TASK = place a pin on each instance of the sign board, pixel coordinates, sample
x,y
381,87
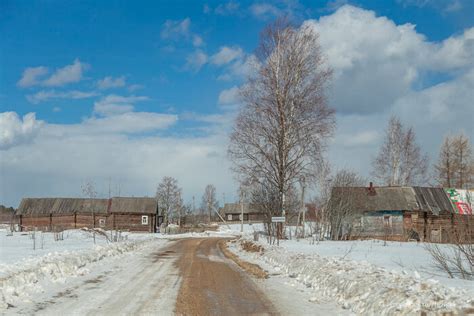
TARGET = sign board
x,y
280,219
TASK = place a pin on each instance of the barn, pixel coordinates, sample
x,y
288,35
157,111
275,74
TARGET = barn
x,y
56,214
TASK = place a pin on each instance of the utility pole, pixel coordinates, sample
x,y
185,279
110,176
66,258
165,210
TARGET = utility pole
x,y
241,209
303,186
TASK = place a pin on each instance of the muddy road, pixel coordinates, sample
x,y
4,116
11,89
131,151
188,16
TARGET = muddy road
x,y
213,285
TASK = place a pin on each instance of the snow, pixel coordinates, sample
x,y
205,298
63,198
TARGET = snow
x,y
365,277
22,269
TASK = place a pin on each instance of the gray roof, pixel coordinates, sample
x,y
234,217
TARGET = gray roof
x,y
139,205
426,199
46,206
434,200
384,199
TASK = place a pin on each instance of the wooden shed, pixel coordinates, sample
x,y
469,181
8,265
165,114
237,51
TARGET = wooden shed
x,y
133,213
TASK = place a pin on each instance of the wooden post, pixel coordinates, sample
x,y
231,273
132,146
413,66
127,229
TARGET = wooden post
x,y
50,221
21,223
75,220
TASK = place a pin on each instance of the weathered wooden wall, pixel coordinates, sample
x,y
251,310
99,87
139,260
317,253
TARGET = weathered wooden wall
x,y
131,222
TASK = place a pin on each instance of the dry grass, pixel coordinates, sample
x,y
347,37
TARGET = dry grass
x,y
251,268
250,246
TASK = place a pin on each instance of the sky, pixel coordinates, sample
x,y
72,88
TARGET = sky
x,y
123,93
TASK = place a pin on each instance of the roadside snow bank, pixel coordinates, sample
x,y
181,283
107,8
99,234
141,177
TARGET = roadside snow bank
x,y
18,280
363,287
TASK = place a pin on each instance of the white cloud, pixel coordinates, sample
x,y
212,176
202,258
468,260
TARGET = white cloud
x,y
196,60
111,82
115,104
229,96
227,8
15,131
226,55
264,10
31,76
67,74
134,87
370,53
175,29
128,123
44,95
101,148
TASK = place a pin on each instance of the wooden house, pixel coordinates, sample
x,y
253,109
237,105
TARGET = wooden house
x,y
401,213
232,212
56,214
134,214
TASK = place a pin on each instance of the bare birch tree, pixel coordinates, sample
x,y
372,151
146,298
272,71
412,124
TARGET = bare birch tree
x,y
400,160
168,195
284,123
209,201
339,203
455,166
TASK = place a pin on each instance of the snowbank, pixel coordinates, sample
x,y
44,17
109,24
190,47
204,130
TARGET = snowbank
x,y
360,286
19,280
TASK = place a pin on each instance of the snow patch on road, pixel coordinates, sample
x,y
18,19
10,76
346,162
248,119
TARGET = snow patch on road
x,y
360,286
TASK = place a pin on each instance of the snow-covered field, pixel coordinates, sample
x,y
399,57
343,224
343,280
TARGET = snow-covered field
x,y
365,277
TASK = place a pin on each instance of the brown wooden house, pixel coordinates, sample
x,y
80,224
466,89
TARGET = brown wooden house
x,y
56,214
232,212
134,214
402,213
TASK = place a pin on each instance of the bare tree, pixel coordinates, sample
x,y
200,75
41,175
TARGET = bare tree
x,y
209,200
400,160
455,166
339,207
444,168
283,126
463,161
168,195
264,199
88,189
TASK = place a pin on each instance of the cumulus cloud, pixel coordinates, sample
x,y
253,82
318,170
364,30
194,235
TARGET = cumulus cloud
x,y
177,30
35,76
264,10
370,53
15,131
44,95
115,104
227,8
226,55
67,74
31,76
196,60
229,96
111,82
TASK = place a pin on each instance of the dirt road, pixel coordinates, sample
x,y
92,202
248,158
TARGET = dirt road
x,y
184,277
212,285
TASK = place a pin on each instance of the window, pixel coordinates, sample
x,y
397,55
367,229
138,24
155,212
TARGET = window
x,y
102,222
144,220
229,217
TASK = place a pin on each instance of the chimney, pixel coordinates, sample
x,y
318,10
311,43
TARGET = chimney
x,y
371,189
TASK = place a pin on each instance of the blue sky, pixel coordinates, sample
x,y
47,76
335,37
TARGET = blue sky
x,y
152,85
